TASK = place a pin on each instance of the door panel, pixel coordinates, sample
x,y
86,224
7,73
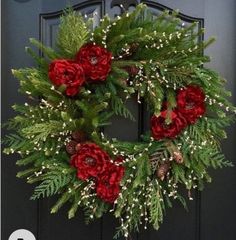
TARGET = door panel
x,y
17,210
218,200
202,222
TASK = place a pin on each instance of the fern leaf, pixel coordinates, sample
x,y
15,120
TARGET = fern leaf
x,y
120,109
51,185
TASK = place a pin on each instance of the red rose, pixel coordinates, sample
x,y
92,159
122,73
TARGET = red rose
x,y
113,173
90,161
68,73
108,185
160,129
108,193
95,60
190,102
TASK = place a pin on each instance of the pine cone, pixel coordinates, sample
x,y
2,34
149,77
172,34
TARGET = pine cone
x,y
124,81
134,47
132,70
178,157
79,136
77,147
71,147
163,170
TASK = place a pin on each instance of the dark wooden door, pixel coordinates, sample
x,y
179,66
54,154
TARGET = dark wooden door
x,y
211,214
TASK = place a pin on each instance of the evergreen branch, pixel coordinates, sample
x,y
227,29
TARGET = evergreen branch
x,y
119,108
65,197
17,143
156,209
73,33
52,183
41,131
75,205
47,51
39,60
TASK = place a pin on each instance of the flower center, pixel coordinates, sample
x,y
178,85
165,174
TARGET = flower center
x,y
190,105
93,60
106,184
166,125
90,161
66,73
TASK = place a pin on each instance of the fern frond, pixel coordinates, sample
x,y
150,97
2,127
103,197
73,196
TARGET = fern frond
x,y
52,183
120,109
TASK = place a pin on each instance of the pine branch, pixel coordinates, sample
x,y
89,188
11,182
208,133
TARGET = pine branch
x,y
156,209
73,33
65,197
143,170
47,51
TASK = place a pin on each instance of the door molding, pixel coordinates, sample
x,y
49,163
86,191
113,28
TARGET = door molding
x,y
22,1
182,16
124,4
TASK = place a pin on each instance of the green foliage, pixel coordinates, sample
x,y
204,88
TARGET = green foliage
x,y
47,51
143,171
35,82
51,184
73,33
152,57
156,207
61,201
27,160
16,143
42,130
119,108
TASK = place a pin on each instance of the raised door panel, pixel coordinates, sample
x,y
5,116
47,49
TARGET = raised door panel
x,y
17,211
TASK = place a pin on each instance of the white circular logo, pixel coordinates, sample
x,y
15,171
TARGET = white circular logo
x,y
22,234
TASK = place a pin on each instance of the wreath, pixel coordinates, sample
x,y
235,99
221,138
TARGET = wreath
x,y
77,87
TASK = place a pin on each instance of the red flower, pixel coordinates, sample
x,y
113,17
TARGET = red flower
x,y
108,193
190,102
95,60
68,73
108,185
90,161
160,129
113,173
